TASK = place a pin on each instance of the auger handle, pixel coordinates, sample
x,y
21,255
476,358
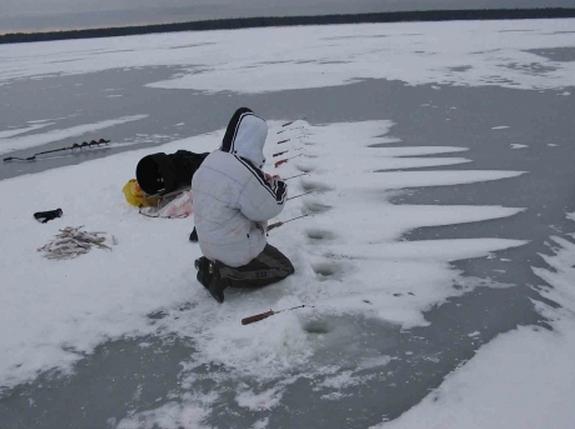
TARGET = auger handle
x,y
274,225
257,317
17,158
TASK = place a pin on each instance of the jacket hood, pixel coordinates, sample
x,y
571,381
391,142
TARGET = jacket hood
x,y
245,136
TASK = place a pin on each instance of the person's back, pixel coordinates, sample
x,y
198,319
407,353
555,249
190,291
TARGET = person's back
x,y
233,199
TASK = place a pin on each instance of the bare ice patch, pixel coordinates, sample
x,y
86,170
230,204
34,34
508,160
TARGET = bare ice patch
x,y
528,370
13,132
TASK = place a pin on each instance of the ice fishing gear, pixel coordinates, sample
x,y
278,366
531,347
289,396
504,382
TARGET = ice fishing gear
x,y
157,215
295,175
161,173
280,223
285,125
283,152
299,195
83,145
136,197
48,215
283,161
269,313
175,205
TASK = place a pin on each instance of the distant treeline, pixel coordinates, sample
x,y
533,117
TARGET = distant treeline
x,y
235,23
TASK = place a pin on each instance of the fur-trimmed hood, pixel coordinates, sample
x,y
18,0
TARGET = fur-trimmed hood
x,y
245,136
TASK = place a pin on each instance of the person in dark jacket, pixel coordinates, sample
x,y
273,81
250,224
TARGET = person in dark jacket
x,y
233,200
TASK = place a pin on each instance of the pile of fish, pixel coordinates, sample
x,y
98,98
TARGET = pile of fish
x,y
72,242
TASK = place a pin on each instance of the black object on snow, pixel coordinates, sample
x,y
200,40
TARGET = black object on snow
x,y
161,173
48,215
194,235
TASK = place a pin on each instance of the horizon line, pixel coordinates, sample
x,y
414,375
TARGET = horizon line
x,y
282,21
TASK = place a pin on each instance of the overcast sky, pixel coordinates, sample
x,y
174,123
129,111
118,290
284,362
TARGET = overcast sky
x,y
42,15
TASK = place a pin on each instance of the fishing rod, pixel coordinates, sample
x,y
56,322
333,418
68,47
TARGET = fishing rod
x,y
287,124
282,152
269,313
283,161
295,175
299,195
280,223
82,145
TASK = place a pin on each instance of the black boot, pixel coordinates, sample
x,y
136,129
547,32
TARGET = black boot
x,y
217,286
209,277
205,272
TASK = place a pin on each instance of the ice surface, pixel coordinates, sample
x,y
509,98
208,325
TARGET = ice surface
x,y
523,378
350,253
10,141
10,133
60,310
484,53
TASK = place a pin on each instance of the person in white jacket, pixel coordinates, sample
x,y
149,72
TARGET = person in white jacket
x,y
232,201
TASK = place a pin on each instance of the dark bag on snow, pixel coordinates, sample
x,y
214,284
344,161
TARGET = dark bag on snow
x,y
161,173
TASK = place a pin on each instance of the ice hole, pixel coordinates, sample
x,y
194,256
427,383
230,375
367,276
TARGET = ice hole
x,y
320,234
317,327
326,269
312,207
305,168
314,186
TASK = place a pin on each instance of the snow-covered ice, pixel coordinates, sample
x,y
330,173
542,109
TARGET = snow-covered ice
x,y
523,378
350,253
502,53
78,303
20,139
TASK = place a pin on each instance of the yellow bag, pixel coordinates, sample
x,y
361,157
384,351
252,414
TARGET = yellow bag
x,y
136,197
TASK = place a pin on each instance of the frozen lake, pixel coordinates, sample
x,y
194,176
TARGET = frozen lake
x,y
438,258
30,16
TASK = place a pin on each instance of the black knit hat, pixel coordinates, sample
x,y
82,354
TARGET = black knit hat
x,y
153,174
161,173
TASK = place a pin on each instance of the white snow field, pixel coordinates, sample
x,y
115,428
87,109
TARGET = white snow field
x,y
349,253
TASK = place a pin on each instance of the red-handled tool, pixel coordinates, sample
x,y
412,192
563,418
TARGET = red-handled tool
x,y
266,314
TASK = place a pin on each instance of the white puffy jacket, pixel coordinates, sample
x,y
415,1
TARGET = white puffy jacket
x,y
231,198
